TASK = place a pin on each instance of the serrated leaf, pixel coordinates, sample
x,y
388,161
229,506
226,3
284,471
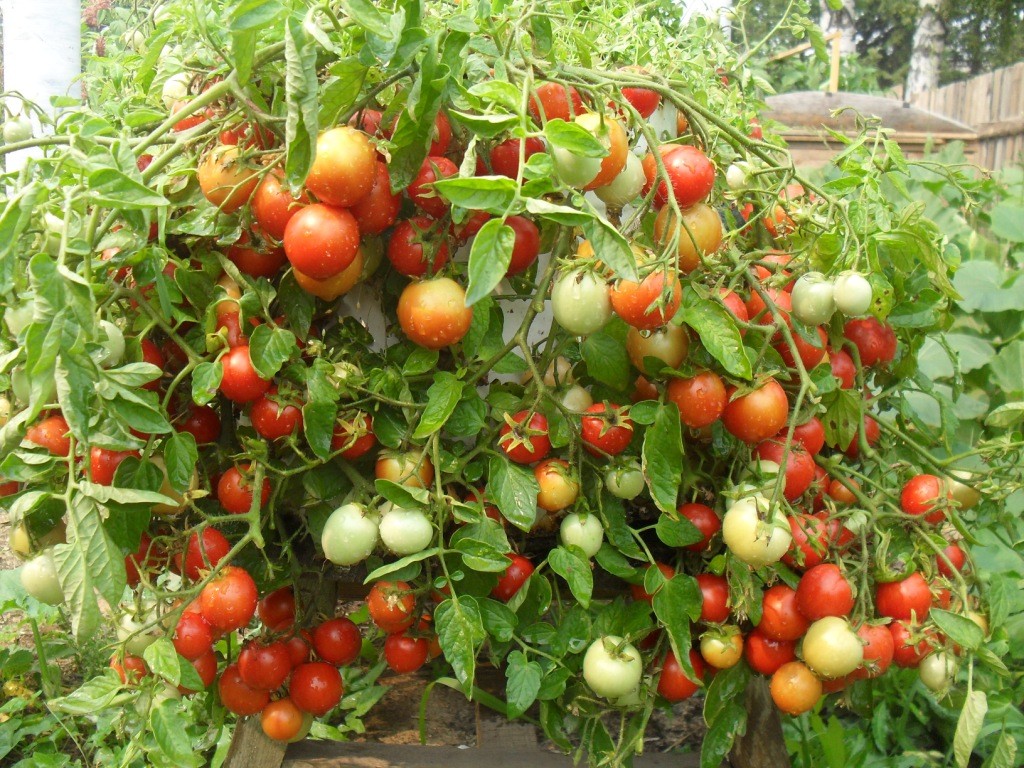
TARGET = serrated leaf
x,y
301,97
523,683
93,695
489,259
968,726
163,661
181,457
480,193
270,348
663,458
716,327
677,604
169,727
959,629
460,631
611,247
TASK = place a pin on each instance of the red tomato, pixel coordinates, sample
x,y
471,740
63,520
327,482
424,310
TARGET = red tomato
x,y
392,605
765,655
762,313
421,188
354,436
277,609
757,415
256,263
872,432
780,617
235,492
343,171
705,520
650,303
151,354
202,553
405,654
273,205
281,720
249,135
52,433
237,696
103,463
606,430
955,559
810,542
131,669
673,683
298,650
512,580
824,591
338,641
273,419
907,653
643,100
316,687
206,668
226,178
229,600
414,250
810,434
555,101
368,120
810,354
922,495
193,637
379,209
878,650
143,560
701,399
526,441
843,368
505,156
875,341
240,382
736,306
691,175
905,599
202,422
715,598
264,666
321,241
527,244
795,463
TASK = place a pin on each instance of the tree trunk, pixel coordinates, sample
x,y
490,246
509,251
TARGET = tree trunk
x,y
842,21
926,54
762,745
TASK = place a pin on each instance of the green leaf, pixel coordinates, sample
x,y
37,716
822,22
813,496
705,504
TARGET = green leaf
x,y
676,531
489,259
252,14
483,546
1006,416
93,696
663,458
301,92
957,628
297,305
108,186
404,496
88,564
420,361
611,247
968,726
163,661
1005,753
169,726
206,378
514,490
574,567
605,354
1008,222
398,565
442,397
499,620
318,420
487,126
842,417
270,348
366,15
718,332
460,630
181,457
523,683
574,138
725,714
480,193
677,604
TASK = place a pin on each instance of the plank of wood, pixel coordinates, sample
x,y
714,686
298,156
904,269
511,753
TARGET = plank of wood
x,y
250,747
762,744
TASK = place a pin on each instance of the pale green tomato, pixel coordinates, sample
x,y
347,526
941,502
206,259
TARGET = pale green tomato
x,y
581,302
577,399
737,176
937,670
963,494
405,531
150,698
625,482
112,341
755,541
176,89
625,187
138,634
5,411
813,299
559,372
853,294
17,128
39,578
583,531
18,318
350,535
611,667
831,648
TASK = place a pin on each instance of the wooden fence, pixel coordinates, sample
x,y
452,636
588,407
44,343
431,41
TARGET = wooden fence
x,y
993,104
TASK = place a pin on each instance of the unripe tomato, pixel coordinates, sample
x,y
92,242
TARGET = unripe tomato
x,y
583,531
722,649
433,313
831,648
405,531
413,469
625,187
39,578
581,302
558,488
813,299
344,169
625,482
612,667
350,535
225,179
964,495
700,235
853,294
754,541
937,671
668,344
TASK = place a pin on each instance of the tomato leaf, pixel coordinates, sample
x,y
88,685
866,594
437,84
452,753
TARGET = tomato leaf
x,y
483,546
253,14
663,459
610,246
725,714
523,683
959,629
573,566
605,354
270,348
460,630
206,378
368,17
842,416
109,186
676,605
301,85
397,565
169,726
499,621
489,259
968,726
718,332
514,490
480,193
403,496
318,419
163,660
181,457
676,531
442,397
297,305
574,138
94,695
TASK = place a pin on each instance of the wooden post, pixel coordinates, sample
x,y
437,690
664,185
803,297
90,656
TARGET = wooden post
x,y
833,78
250,747
762,745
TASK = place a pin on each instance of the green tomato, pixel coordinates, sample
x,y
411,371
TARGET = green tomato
x,y
405,531
813,299
831,648
111,341
612,667
39,578
755,541
625,482
18,318
17,128
852,293
581,302
626,186
350,535
137,634
583,531
937,670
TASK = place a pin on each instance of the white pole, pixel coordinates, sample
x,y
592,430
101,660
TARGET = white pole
x,y
42,54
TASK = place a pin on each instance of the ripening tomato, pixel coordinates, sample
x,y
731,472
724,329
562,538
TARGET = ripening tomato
x,y
906,599
690,174
264,666
872,432
421,189
650,303
795,463
527,244
714,598
701,399
392,605
229,601
736,306
514,577
240,382
281,720
202,422
52,433
669,345
316,687
338,641
555,101
757,415
700,235
343,171
379,209
321,241
723,648
558,488
412,249
923,495
433,313
505,155
878,649
353,435
193,637
333,287
235,491
256,262
525,440
765,655
673,683
413,469
203,552
906,652
273,419
875,341
405,654
704,520
795,689
780,617
824,591
130,669
103,463
225,179
606,429
273,205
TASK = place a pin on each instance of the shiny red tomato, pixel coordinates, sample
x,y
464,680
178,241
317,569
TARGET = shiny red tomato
x,y
715,598
922,495
103,463
640,594
757,415
673,683
392,605
527,244
512,580
811,538
875,340
555,101
643,100
525,440
906,651
954,559
906,599
824,591
795,463
736,306
872,432
701,399
229,601
691,175
273,205
240,382
277,609
810,354
413,248
131,669
650,303
878,649
353,436
780,617
235,491
193,637
264,666
256,262
321,241
203,552
704,520
338,641
405,654
765,655
52,433
343,171
273,417
237,696
842,368
316,687
505,156
421,189
606,429
379,209
810,434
